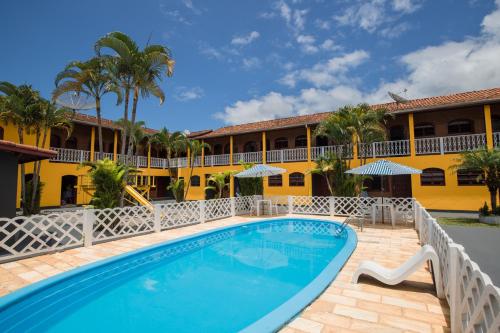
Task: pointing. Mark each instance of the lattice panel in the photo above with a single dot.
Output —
(311, 205)
(244, 205)
(113, 223)
(179, 214)
(37, 234)
(358, 206)
(217, 209)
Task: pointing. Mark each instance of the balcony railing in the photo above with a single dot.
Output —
(254, 157)
(213, 160)
(157, 162)
(286, 155)
(450, 144)
(384, 148)
(180, 162)
(101, 156)
(496, 139)
(344, 151)
(70, 155)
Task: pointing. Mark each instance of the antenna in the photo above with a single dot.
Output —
(397, 98)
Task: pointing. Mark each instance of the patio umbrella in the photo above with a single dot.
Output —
(383, 168)
(260, 170)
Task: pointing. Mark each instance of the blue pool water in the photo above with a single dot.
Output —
(254, 276)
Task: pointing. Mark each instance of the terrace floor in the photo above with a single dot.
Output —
(343, 307)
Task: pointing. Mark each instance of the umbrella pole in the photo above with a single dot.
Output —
(382, 183)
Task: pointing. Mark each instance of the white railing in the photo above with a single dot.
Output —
(344, 151)
(384, 148)
(157, 162)
(286, 155)
(70, 155)
(213, 160)
(142, 161)
(496, 139)
(101, 156)
(180, 162)
(450, 144)
(473, 298)
(254, 157)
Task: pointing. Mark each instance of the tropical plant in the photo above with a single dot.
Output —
(177, 188)
(194, 148)
(109, 179)
(137, 70)
(32, 202)
(219, 183)
(137, 131)
(487, 161)
(355, 125)
(333, 168)
(92, 78)
(250, 186)
(171, 142)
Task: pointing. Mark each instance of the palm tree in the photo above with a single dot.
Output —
(219, 182)
(171, 142)
(195, 148)
(488, 163)
(137, 133)
(17, 107)
(92, 78)
(361, 123)
(137, 70)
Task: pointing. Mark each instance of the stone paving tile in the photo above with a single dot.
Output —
(368, 306)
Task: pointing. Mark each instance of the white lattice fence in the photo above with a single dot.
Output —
(310, 205)
(244, 205)
(179, 214)
(114, 223)
(217, 209)
(38, 234)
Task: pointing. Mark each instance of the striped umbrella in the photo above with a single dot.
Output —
(383, 168)
(260, 170)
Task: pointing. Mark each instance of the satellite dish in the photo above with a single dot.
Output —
(76, 101)
(397, 98)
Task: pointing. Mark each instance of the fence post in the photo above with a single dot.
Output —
(281, 156)
(202, 211)
(233, 206)
(373, 150)
(157, 218)
(88, 226)
(290, 204)
(332, 206)
(453, 286)
(441, 145)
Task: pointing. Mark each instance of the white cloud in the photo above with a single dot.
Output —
(449, 67)
(322, 24)
(266, 15)
(251, 63)
(395, 30)
(329, 45)
(295, 19)
(210, 51)
(246, 39)
(405, 6)
(185, 94)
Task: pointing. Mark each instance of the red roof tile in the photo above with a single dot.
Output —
(26, 153)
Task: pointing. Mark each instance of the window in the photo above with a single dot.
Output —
(1, 133)
(250, 147)
(301, 141)
(195, 181)
(397, 133)
(281, 143)
(470, 177)
(296, 179)
(276, 180)
(424, 129)
(227, 149)
(432, 177)
(495, 121)
(55, 141)
(460, 126)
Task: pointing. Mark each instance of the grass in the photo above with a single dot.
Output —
(465, 222)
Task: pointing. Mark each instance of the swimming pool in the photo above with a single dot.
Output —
(252, 277)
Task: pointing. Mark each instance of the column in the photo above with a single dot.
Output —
(354, 148)
(149, 156)
(264, 148)
(411, 131)
(488, 126)
(308, 130)
(92, 143)
(115, 146)
(231, 150)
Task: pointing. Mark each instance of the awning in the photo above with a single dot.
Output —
(260, 170)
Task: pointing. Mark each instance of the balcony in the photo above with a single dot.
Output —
(254, 157)
(101, 156)
(70, 155)
(215, 160)
(496, 139)
(450, 144)
(339, 150)
(286, 155)
(384, 149)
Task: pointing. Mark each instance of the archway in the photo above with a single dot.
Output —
(68, 190)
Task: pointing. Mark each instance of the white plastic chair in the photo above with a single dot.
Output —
(274, 206)
(398, 275)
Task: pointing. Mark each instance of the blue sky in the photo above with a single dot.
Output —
(242, 61)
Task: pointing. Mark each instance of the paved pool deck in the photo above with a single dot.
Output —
(368, 306)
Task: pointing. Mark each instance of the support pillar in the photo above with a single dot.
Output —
(488, 126)
(92, 143)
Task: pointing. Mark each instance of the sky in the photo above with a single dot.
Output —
(242, 61)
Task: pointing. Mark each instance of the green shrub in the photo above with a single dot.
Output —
(108, 178)
(27, 209)
(485, 210)
(177, 188)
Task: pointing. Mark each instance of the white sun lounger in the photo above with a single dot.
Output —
(398, 275)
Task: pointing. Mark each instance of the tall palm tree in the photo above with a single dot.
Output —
(92, 78)
(195, 148)
(361, 123)
(137, 131)
(171, 142)
(17, 109)
(487, 161)
(137, 70)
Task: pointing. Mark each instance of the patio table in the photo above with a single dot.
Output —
(262, 201)
(384, 205)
